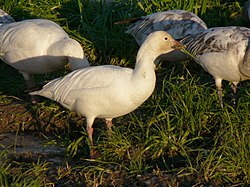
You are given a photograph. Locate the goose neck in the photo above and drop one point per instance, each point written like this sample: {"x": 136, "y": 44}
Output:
{"x": 145, "y": 59}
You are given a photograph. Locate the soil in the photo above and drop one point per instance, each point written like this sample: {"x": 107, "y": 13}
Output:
{"x": 25, "y": 134}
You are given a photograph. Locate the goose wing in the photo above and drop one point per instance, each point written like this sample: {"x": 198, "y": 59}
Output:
{"x": 220, "y": 39}
{"x": 94, "y": 77}
{"x": 178, "y": 23}
{"x": 38, "y": 34}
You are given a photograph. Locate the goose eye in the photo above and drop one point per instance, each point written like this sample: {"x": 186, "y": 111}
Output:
{"x": 166, "y": 38}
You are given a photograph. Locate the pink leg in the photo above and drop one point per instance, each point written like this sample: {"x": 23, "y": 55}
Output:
{"x": 234, "y": 95}
{"x": 234, "y": 87}
{"x": 109, "y": 124}
{"x": 90, "y": 135}
{"x": 90, "y": 130}
{"x": 109, "y": 127}
{"x": 219, "y": 90}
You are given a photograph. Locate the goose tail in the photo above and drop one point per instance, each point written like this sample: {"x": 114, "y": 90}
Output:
{"x": 47, "y": 90}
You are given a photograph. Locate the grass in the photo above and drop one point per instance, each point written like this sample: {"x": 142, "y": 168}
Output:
{"x": 180, "y": 136}
{"x": 22, "y": 173}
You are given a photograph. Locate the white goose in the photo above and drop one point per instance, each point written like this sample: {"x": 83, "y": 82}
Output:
{"x": 38, "y": 46}
{"x": 110, "y": 91}
{"x": 178, "y": 23}
{"x": 224, "y": 53}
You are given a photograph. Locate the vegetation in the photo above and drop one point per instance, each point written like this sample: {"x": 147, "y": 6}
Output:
{"x": 179, "y": 137}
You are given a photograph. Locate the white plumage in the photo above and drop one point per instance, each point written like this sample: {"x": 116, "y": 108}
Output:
{"x": 110, "y": 91}
{"x": 224, "y": 53}
{"x": 38, "y": 46}
{"x": 178, "y": 23}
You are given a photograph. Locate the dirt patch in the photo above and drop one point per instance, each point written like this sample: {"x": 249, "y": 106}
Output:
{"x": 14, "y": 117}
{"x": 23, "y": 116}
{"x": 25, "y": 129}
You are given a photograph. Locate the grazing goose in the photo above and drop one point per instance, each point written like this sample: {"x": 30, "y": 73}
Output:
{"x": 178, "y": 23}
{"x": 5, "y": 18}
{"x": 110, "y": 91}
{"x": 224, "y": 53}
{"x": 38, "y": 46}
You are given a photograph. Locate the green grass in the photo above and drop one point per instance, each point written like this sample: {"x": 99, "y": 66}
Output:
{"x": 180, "y": 135}
{"x": 22, "y": 173}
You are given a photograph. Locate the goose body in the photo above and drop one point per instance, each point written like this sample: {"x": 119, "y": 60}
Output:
{"x": 223, "y": 52}
{"x": 110, "y": 91}
{"x": 178, "y": 23}
{"x": 38, "y": 46}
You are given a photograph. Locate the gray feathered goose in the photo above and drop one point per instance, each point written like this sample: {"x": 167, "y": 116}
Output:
{"x": 178, "y": 23}
{"x": 224, "y": 53}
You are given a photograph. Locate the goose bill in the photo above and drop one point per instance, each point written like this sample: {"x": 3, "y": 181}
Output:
{"x": 177, "y": 45}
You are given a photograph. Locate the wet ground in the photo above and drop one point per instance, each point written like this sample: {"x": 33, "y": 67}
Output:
{"x": 30, "y": 145}
{"x": 20, "y": 135}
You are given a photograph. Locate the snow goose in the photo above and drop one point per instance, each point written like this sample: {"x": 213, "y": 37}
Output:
{"x": 110, "y": 91}
{"x": 38, "y": 46}
{"x": 178, "y": 23}
{"x": 224, "y": 53}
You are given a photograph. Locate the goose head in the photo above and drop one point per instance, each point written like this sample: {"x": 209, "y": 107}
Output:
{"x": 73, "y": 50}
{"x": 159, "y": 43}
{"x": 78, "y": 63}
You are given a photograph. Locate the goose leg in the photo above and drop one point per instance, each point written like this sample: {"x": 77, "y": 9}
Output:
{"x": 90, "y": 131}
{"x": 90, "y": 134}
{"x": 109, "y": 124}
{"x": 29, "y": 80}
{"x": 219, "y": 90}
{"x": 234, "y": 96}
